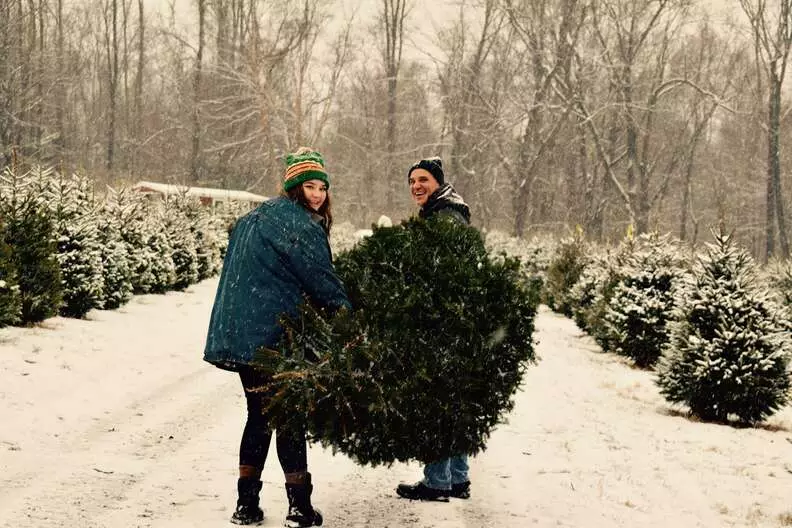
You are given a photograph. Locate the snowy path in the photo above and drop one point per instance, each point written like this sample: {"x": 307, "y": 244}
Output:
{"x": 116, "y": 422}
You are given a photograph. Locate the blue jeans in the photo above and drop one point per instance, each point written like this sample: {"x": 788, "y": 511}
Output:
{"x": 443, "y": 473}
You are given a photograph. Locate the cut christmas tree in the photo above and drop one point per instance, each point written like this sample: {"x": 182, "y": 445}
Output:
{"x": 427, "y": 362}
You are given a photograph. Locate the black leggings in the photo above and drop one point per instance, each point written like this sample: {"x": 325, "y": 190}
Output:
{"x": 291, "y": 445}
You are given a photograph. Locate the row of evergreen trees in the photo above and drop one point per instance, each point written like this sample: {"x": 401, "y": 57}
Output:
{"x": 64, "y": 250}
{"x": 715, "y": 331}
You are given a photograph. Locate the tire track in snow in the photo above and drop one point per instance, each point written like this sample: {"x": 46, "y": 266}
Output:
{"x": 93, "y": 471}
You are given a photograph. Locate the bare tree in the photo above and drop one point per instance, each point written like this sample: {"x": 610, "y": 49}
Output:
{"x": 316, "y": 81}
{"x": 470, "y": 113}
{"x": 772, "y": 32}
{"x": 394, "y": 13}
{"x": 137, "y": 128}
{"x": 708, "y": 59}
{"x": 111, "y": 54}
{"x": 549, "y": 31}
{"x": 248, "y": 103}
{"x": 60, "y": 69}
{"x": 195, "y": 157}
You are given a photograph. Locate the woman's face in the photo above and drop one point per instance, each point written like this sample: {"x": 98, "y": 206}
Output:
{"x": 315, "y": 192}
{"x": 422, "y": 185}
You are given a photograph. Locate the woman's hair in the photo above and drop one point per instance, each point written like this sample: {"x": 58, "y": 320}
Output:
{"x": 297, "y": 195}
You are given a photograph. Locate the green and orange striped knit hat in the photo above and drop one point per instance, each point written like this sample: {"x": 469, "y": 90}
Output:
{"x": 304, "y": 165}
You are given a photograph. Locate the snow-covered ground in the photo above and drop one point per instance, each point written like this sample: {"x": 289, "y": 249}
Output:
{"x": 116, "y": 421}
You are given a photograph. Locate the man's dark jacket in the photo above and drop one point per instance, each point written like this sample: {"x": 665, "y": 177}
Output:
{"x": 446, "y": 201}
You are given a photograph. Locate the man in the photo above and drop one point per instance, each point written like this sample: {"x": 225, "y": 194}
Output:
{"x": 449, "y": 477}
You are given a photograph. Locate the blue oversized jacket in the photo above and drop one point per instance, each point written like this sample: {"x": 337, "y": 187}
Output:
{"x": 276, "y": 254}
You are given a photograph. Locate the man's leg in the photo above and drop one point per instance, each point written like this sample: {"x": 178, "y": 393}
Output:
{"x": 435, "y": 486}
{"x": 460, "y": 481}
{"x": 437, "y": 475}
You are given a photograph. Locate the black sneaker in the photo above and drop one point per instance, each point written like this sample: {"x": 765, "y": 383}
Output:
{"x": 460, "y": 491}
{"x": 247, "y": 515}
{"x": 421, "y": 491}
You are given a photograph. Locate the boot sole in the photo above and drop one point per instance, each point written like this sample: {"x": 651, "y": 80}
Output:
{"x": 242, "y": 523}
{"x": 317, "y": 521}
{"x": 293, "y": 524}
{"x": 425, "y": 499}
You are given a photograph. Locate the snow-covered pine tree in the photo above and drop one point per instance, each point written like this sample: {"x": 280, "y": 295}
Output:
{"x": 10, "y": 299}
{"x": 75, "y": 217}
{"x": 160, "y": 250}
{"x": 181, "y": 237}
{"x": 642, "y": 304}
{"x": 217, "y": 239}
{"x": 564, "y": 271}
{"x": 116, "y": 261}
{"x": 778, "y": 274}
{"x": 728, "y": 352}
{"x": 229, "y": 212}
{"x": 209, "y": 234}
{"x": 607, "y": 278}
{"x": 429, "y": 360}
{"x": 586, "y": 292}
{"x": 30, "y": 235}
{"x": 536, "y": 254}
{"x": 130, "y": 211}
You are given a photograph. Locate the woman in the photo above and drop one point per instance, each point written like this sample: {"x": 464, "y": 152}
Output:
{"x": 449, "y": 477}
{"x": 278, "y": 254}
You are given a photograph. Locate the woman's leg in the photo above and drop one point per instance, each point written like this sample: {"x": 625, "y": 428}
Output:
{"x": 293, "y": 457}
{"x": 252, "y": 451}
{"x": 257, "y": 434}
{"x": 293, "y": 454}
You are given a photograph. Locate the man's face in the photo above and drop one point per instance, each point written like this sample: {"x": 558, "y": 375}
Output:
{"x": 422, "y": 185}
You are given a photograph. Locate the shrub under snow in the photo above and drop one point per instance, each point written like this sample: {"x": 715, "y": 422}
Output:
{"x": 10, "y": 300}
{"x": 778, "y": 274}
{"x": 729, "y": 350}
{"x": 75, "y": 218}
{"x": 568, "y": 262}
{"x": 642, "y": 302}
{"x": 116, "y": 258}
{"x": 29, "y": 233}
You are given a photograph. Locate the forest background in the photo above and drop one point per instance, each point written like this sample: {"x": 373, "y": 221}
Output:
{"x": 669, "y": 115}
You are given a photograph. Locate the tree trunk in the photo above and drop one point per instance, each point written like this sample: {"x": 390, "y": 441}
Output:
{"x": 60, "y": 104}
{"x": 112, "y": 86}
{"x": 773, "y": 163}
{"x": 775, "y": 152}
{"x": 391, "y": 138}
{"x": 195, "y": 158}
{"x": 40, "y": 78}
{"x": 393, "y": 15}
{"x": 633, "y": 159}
{"x": 138, "y": 126}
{"x": 125, "y": 63}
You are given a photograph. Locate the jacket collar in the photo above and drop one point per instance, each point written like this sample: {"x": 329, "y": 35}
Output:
{"x": 445, "y": 197}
